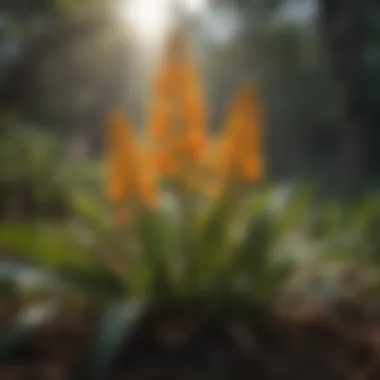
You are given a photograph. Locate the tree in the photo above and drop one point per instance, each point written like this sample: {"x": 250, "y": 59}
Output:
{"x": 346, "y": 30}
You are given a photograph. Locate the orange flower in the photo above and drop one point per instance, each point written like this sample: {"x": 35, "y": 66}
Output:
{"x": 166, "y": 154}
{"x": 195, "y": 145}
{"x": 166, "y": 164}
{"x": 251, "y": 171}
{"x": 117, "y": 187}
{"x": 161, "y": 113}
{"x": 213, "y": 188}
{"x": 146, "y": 181}
{"x": 193, "y": 111}
{"x": 216, "y": 168}
{"x": 251, "y": 165}
{"x": 243, "y": 129}
{"x": 228, "y": 151}
{"x": 118, "y": 140}
{"x": 191, "y": 99}
{"x": 161, "y": 119}
{"x": 231, "y": 135}
{"x": 179, "y": 144}
{"x": 165, "y": 82}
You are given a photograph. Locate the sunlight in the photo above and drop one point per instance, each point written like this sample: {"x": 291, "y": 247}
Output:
{"x": 149, "y": 19}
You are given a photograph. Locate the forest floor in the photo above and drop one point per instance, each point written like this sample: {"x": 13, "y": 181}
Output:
{"x": 225, "y": 346}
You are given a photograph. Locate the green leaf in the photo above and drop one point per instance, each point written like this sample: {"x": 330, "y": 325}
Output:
{"x": 156, "y": 238}
{"x": 366, "y": 211}
{"x": 117, "y": 326}
{"x": 46, "y": 246}
{"x": 294, "y": 215}
{"x": 253, "y": 253}
{"x": 94, "y": 215}
{"x": 89, "y": 208}
{"x": 212, "y": 241}
{"x": 253, "y": 257}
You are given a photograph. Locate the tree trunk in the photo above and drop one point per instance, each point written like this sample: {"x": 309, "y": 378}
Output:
{"x": 343, "y": 30}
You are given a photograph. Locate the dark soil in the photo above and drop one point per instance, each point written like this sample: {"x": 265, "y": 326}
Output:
{"x": 218, "y": 347}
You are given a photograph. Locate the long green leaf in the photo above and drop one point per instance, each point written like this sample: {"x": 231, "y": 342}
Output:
{"x": 156, "y": 239}
{"x": 117, "y": 326}
{"x": 212, "y": 241}
{"x": 46, "y": 246}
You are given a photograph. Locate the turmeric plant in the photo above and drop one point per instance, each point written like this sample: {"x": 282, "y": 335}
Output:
{"x": 204, "y": 173}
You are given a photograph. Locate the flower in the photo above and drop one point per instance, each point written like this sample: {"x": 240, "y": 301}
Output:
{"x": 243, "y": 136}
{"x": 178, "y": 145}
{"x": 146, "y": 181}
{"x": 118, "y": 141}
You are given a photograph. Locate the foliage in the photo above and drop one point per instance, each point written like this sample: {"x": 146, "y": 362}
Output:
{"x": 31, "y": 173}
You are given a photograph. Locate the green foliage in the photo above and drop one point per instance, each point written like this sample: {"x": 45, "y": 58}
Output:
{"x": 31, "y": 174}
{"x": 155, "y": 233}
{"x": 241, "y": 246}
{"x": 49, "y": 246}
{"x": 28, "y": 154}
{"x": 117, "y": 326}
{"x": 245, "y": 248}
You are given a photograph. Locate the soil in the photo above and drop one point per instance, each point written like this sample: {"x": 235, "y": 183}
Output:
{"x": 222, "y": 346}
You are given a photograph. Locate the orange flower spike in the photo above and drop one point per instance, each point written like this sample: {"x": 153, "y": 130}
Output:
{"x": 190, "y": 103}
{"x": 251, "y": 165}
{"x": 161, "y": 119}
{"x": 147, "y": 187}
{"x": 163, "y": 92}
{"x": 193, "y": 102}
{"x": 243, "y": 131}
{"x": 117, "y": 145}
{"x": 116, "y": 184}
{"x": 165, "y": 155}
{"x": 228, "y": 151}
{"x": 162, "y": 116}
{"x": 165, "y": 82}
{"x": 215, "y": 184}
{"x": 224, "y": 155}
{"x": 216, "y": 168}
{"x": 195, "y": 145}
{"x": 232, "y": 134}
{"x": 252, "y": 171}
{"x": 166, "y": 163}
{"x": 195, "y": 139}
